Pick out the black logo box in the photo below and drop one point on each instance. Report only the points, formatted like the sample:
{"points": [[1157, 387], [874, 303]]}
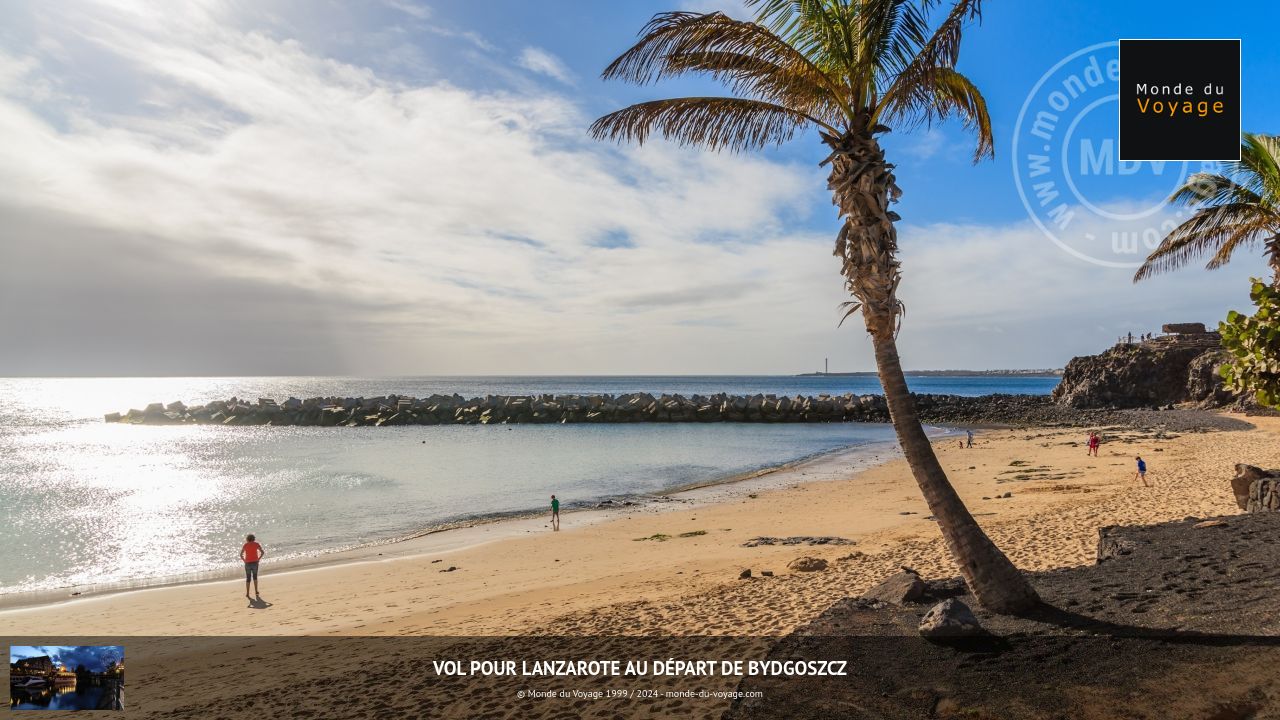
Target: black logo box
{"points": [[1180, 65]]}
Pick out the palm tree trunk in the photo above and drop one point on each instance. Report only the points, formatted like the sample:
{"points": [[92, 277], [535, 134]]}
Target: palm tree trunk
{"points": [[997, 584], [863, 185]]}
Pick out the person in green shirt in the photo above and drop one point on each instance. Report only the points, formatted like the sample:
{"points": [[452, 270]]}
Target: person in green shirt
{"points": [[555, 513]]}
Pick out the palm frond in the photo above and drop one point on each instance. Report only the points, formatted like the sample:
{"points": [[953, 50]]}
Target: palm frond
{"points": [[746, 55], [939, 93], [901, 43], [941, 50], [1207, 231], [824, 31], [748, 76], [1212, 189], [733, 124], [876, 22], [1243, 236], [1238, 207], [848, 308], [1259, 165], [943, 47]]}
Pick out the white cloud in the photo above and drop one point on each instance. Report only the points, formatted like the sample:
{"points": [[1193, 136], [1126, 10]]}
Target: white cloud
{"points": [[544, 63], [412, 9], [964, 283], [934, 143], [478, 215], [194, 195]]}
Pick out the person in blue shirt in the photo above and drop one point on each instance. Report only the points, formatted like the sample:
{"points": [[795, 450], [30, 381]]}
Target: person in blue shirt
{"points": [[1142, 471]]}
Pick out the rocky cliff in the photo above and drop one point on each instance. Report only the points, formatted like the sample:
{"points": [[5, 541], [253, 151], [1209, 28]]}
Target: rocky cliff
{"points": [[1166, 371]]}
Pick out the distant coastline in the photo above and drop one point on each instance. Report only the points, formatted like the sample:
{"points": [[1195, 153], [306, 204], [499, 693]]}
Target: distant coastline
{"points": [[945, 373]]}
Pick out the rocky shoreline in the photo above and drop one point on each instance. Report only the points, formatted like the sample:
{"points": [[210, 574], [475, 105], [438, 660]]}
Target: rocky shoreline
{"points": [[399, 410]]}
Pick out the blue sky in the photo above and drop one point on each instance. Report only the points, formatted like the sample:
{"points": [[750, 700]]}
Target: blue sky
{"points": [[406, 187], [1005, 55]]}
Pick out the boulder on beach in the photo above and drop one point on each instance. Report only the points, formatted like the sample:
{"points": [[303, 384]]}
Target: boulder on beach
{"points": [[1113, 544], [1255, 489], [950, 618], [807, 564], [1244, 477], [898, 589]]}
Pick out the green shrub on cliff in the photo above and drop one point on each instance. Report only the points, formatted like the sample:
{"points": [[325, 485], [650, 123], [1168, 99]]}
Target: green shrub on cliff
{"points": [[1254, 344]]}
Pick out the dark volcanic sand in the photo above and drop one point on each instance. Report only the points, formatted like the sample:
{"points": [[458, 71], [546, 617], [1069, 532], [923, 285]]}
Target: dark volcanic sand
{"points": [[1186, 625]]}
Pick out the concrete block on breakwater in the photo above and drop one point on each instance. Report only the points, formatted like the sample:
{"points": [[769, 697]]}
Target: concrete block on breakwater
{"points": [[395, 410]]}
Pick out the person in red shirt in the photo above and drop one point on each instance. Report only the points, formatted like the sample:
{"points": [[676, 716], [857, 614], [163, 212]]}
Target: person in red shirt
{"points": [[251, 552]]}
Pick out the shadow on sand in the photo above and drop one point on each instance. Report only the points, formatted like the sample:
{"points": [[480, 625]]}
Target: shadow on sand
{"points": [[1050, 615]]}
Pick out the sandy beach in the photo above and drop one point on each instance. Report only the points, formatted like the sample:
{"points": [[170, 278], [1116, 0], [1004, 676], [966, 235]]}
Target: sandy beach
{"points": [[651, 581], [673, 568]]}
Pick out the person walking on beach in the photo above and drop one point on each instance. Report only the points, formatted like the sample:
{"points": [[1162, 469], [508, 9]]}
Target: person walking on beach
{"points": [[969, 433], [555, 513], [1094, 442], [251, 553], [1142, 471]]}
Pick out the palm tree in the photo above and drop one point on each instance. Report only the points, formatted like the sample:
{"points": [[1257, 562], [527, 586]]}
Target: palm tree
{"points": [[1239, 207], [849, 69]]}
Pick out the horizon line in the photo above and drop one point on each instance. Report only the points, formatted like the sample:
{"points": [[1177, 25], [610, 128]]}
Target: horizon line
{"points": [[536, 375]]}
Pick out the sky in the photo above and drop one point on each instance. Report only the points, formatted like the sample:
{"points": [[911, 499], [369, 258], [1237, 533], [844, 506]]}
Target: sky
{"points": [[95, 658], [402, 187]]}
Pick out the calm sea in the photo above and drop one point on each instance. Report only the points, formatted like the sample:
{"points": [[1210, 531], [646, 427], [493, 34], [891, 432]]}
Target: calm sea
{"points": [[83, 502]]}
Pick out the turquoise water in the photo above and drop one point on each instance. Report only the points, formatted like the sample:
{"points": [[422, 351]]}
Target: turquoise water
{"points": [[85, 502]]}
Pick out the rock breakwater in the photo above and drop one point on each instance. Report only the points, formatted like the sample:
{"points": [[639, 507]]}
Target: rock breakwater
{"points": [[393, 410]]}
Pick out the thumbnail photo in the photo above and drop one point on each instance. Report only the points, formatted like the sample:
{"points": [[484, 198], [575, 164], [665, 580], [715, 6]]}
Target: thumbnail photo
{"points": [[66, 677]]}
